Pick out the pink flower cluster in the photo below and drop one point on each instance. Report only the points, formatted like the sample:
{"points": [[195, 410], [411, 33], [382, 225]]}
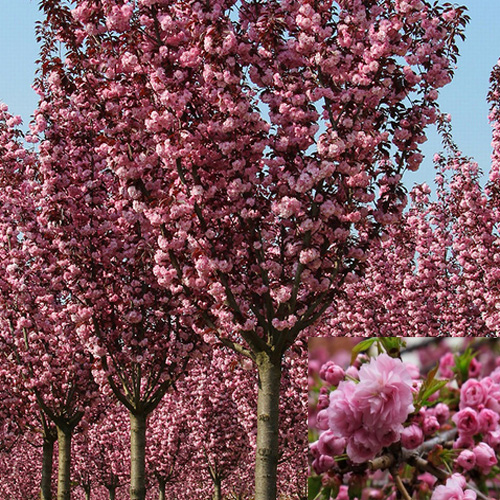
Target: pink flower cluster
{"points": [[479, 414], [453, 490], [370, 414]]}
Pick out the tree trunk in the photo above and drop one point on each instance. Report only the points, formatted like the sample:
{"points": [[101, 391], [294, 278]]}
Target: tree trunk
{"points": [[137, 456], [161, 489], [47, 461], [266, 463], [87, 492], [112, 492], [217, 489], [63, 478]]}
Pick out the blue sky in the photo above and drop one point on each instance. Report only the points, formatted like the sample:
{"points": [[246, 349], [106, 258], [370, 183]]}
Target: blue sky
{"points": [[464, 98]]}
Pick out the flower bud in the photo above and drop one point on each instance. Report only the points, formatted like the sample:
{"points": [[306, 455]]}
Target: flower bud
{"points": [[329, 444], [412, 437], [466, 459], [485, 457], [331, 373]]}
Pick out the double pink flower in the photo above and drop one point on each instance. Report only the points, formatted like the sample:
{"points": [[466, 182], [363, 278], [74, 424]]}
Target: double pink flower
{"points": [[370, 414]]}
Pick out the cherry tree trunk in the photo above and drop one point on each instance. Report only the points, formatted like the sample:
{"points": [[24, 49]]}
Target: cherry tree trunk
{"points": [[137, 456], [217, 489], [267, 427], [47, 460], [112, 492], [161, 489], [87, 493], [63, 478]]}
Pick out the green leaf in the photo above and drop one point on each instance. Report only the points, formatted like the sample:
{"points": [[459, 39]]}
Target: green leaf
{"points": [[393, 345], [313, 436], [326, 493], [462, 364], [435, 386], [361, 347], [355, 489], [334, 491], [313, 487], [428, 388]]}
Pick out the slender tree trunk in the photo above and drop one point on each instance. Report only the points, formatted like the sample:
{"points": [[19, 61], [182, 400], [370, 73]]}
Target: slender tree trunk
{"points": [[47, 461], [217, 489], [267, 427], [63, 478], [137, 456], [161, 489], [87, 492], [112, 492]]}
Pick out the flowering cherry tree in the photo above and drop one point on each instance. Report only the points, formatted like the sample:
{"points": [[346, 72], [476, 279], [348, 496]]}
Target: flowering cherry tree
{"points": [[38, 343], [264, 143], [384, 427], [102, 250]]}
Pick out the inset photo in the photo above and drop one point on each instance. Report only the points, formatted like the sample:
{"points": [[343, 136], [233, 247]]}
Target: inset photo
{"points": [[404, 418]]}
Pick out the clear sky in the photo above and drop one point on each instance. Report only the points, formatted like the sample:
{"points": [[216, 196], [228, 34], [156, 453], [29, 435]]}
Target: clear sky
{"points": [[464, 98]]}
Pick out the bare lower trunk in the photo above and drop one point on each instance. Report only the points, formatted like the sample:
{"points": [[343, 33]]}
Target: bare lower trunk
{"points": [[267, 428], [217, 489], [47, 461], [161, 489], [63, 478], [137, 456], [112, 492]]}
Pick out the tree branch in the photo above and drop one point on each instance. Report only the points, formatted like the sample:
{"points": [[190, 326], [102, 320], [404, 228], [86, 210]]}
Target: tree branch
{"points": [[400, 485]]}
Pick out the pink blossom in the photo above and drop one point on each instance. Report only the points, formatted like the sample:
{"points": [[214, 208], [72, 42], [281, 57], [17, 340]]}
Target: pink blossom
{"points": [[475, 368], [493, 439], [466, 459], [119, 17], [363, 446], [442, 412], [485, 457], [492, 391], [453, 490], [431, 424], [413, 370], [343, 493], [427, 478], [387, 436], [134, 317], [412, 437], [344, 417], [446, 364], [308, 255], [460, 479], [495, 375], [322, 420], [384, 394], [331, 373], [464, 441], [466, 421], [287, 207], [472, 394], [370, 414], [323, 463], [488, 420], [329, 444], [353, 372]]}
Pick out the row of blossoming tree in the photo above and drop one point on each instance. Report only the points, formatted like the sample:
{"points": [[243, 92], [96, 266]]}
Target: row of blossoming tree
{"points": [[209, 174], [200, 442]]}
